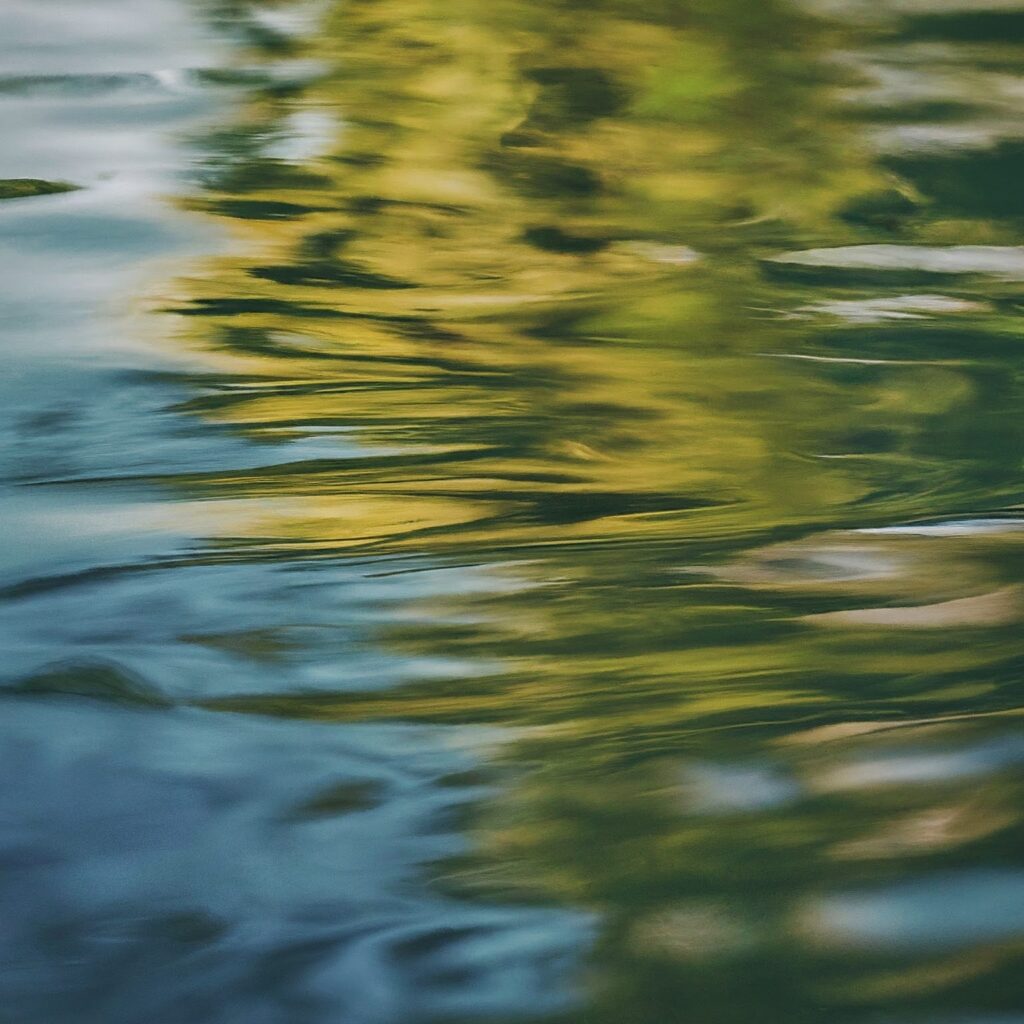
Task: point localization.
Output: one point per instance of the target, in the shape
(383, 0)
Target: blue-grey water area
(512, 511)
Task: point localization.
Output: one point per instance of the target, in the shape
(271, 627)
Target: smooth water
(512, 511)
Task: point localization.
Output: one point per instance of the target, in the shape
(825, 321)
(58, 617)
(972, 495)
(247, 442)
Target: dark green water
(512, 511)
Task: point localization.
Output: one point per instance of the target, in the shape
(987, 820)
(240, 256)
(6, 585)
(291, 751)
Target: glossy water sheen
(512, 510)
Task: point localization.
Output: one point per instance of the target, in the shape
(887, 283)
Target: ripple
(949, 528)
(999, 608)
(922, 767)
(900, 307)
(1000, 261)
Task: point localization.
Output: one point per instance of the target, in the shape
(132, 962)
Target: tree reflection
(515, 312)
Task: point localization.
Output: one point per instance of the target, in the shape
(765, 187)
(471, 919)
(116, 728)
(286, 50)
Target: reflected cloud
(941, 912)
(736, 789)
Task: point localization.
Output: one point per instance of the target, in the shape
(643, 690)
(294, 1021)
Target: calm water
(512, 511)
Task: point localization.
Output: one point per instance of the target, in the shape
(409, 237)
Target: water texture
(512, 511)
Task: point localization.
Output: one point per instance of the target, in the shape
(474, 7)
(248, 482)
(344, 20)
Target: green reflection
(529, 271)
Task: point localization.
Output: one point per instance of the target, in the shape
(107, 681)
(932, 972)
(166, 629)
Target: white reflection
(943, 911)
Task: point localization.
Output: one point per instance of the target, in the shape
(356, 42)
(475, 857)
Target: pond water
(512, 511)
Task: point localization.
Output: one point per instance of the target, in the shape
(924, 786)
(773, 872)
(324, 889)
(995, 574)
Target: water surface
(512, 512)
